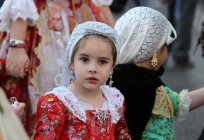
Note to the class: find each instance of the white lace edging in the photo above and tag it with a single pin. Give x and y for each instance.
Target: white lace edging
(115, 102)
(100, 3)
(70, 101)
(14, 9)
(185, 104)
(113, 97)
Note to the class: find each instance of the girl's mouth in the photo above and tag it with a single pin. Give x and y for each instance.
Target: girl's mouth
(92, 80)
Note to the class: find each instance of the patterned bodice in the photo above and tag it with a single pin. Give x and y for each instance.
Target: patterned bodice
(62, 118)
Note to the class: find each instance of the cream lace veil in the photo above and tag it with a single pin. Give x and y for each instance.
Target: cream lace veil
(143, 31)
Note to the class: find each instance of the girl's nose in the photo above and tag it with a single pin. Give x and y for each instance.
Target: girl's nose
(92, 68)
(92, 71)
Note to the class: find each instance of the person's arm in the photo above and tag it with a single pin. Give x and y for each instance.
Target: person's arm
(197, 98)
(107, 15)
(17, 60)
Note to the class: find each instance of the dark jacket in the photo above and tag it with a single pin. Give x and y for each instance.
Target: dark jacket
(138, 85)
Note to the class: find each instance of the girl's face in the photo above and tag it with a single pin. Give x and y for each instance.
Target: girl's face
(92, 62)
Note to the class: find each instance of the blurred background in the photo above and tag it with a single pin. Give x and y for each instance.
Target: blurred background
(178, 77)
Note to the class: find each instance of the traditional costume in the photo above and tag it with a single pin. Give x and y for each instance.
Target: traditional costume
(61, 115)
(150, 105)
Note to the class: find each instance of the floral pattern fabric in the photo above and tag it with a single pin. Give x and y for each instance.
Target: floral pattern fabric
(57, 121)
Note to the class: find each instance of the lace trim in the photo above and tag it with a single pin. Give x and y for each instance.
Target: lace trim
(163, 105)
(14, 9)
(114, 100)
(185, 101)
(100, 3)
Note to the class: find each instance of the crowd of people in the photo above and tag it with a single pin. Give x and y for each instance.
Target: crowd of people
(76, 73)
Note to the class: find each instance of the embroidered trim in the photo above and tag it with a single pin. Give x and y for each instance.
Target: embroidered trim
(162, 104)
(115, 102)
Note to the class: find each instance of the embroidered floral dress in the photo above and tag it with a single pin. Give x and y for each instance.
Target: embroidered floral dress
(168, 104)
(50, 24)
(62, 116)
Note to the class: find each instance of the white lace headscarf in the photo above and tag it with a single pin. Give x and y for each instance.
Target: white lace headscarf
(142, 31)
(81, 30)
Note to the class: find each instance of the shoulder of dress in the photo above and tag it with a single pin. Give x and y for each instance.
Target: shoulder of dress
(111, 91)
(53, 94)
(113, 96)
(48, 97)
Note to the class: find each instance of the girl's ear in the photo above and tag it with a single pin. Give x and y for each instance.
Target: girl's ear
(112, 70)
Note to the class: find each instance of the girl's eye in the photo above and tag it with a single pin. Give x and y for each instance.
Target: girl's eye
(84, 59)
(103, 62)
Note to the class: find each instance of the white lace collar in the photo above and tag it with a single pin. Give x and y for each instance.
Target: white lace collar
(114, 100)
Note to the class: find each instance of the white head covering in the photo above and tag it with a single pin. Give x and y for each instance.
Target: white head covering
(142, 31)
(81, 30)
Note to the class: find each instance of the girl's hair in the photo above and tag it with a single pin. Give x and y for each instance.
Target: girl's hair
(86, 37)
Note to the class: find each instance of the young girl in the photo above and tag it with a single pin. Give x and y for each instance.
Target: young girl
(34, 40)
(83, 108)
(150, 104)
